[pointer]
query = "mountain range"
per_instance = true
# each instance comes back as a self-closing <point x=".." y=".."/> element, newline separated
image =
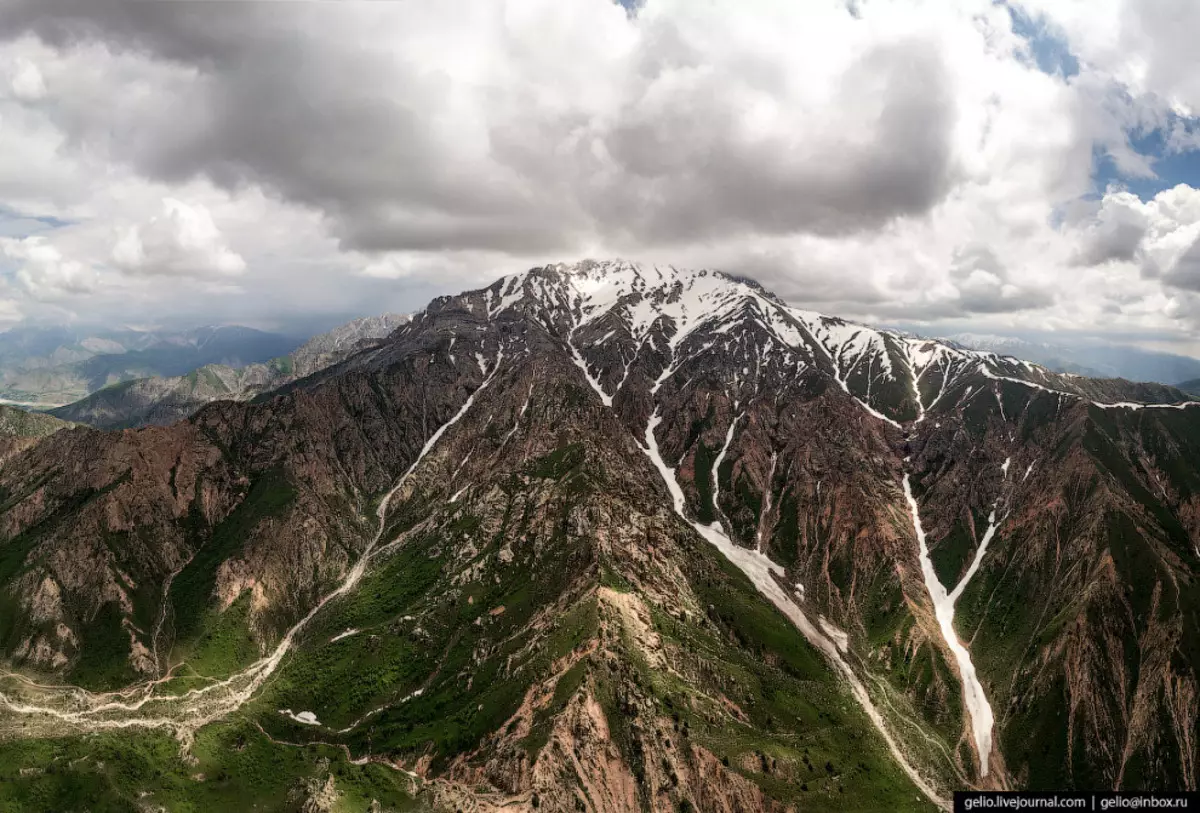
<point x="164" y="400"/>
<point x="610" y="537"/>
<point x="51" y="366"/>
<point x="1095" y="359"/>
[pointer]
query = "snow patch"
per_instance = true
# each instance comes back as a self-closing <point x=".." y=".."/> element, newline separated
<point x="766" y="576"/>
<point x="982" y="718"/>
<point x="716" y="481"/>
<point x="836" y="635"/>
<point x="304" y="717"/>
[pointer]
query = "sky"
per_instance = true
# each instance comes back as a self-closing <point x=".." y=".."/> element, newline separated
<point x="1018" y="167"/>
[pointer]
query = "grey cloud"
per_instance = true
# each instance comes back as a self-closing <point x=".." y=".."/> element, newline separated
<point x="975" y="257"/>
<point x="985" y="287"/>
<point x="183" y="32"/>
<point x="300" y="115"/>
<point x="353" y="133"/>
<point x="1117" y="237"/>
<point x="989" y="299"/>
<point x="696" y="175"/>
<point x="796" y="281"/>
<point x="1185" y="273"/>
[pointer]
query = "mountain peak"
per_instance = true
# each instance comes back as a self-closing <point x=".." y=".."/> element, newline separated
<point x="636" y="522"/>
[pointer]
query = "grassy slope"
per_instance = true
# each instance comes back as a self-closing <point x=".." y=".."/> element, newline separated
<point x="473" y="652"/>
<point x="237" y="768"/>
<point x="20" y="423"/>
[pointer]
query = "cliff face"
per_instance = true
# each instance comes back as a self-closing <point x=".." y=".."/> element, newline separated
<point x="649" y="544"/>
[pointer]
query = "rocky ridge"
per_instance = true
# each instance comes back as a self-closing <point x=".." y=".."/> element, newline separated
<point x="712" y="490"/>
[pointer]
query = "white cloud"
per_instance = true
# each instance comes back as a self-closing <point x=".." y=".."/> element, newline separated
<point x="1148" y="46"/>
<point x="908" y="161"/>
<point x="10" y="312"/>
<point x="44" y="272"/>
<point x="26" y="80"/>
<point x="181" y="241"/>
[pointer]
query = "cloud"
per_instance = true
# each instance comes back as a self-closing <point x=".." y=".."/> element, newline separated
<point x="1158" y="236"/>
<point x="895" y="160"/>
<point x="26" y="80"/>
<point x="1117" y="232"/>
<point x="182" y="241"/>
<point x="664" y="136"/>
<point x="984" y="286"/>
<point x="10" y="312"/>
<point x="44" y="272"/>
<point x="1146" y="45"/>
<point x="1185" y="273"/>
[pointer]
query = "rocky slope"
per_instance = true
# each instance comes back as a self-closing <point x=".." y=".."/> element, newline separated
<point x="161" y="401"/>
<point x="651" y="539"/>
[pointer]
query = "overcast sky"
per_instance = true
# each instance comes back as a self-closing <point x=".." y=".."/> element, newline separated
<point x="953" y="165"/>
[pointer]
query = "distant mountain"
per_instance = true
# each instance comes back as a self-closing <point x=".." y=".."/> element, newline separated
<point x="613" y="537"/>
<point x="1089" y="359"/>
<point x="164" y="400"/>
<point x="50" y="366"/>
<point x="1192" y="386"/>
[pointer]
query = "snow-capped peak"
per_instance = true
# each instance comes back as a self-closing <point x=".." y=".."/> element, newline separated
<point x="617" y="316"/>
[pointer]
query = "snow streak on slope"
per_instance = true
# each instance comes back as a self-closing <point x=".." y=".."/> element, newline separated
<point x="982" y="718"/>
<point x="716" y="469"/>
<point x="1133" y="405"/>
<point x="850" y="347"/>
<point x="582" y="365"/>
<point x="767" y="576"/>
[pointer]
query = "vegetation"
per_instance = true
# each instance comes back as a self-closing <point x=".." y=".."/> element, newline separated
<point x="104" y="653"/>
<point x="236" y="768"/>
<point x="191" y="591"/>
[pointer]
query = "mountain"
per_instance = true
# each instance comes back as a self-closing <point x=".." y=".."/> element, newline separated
<point x="164" y="400"/>
<point x="612" y="537"/>
<point x="50" y="366"/>
<point x="20" y="429"/>
<point x="1089" y="358"/>
<point x="1192" y="387"/>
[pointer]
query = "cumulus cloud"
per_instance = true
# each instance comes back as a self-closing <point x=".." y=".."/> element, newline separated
<point x="26" y="80"/>
<point x="984" y="286"/>
<point x="1185" y="273"/>
<point x="44" y="272"/>
<point x="181" y="241"/>
<point x="1158" y="235"/>
<point x="894" y="160"/>
<point x="668" y="130"/>
<point x="1117" y="231"/>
